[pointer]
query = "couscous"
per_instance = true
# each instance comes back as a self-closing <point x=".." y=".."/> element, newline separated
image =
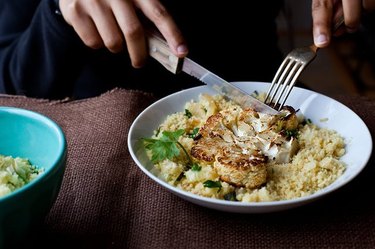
<point x="216" y="149"/>
<point x="15" y="173"/>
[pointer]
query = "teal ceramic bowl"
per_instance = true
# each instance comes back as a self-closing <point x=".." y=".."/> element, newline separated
<point x="30" y="135"/>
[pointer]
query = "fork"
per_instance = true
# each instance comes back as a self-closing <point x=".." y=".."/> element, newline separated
<point x="289" y="71"/>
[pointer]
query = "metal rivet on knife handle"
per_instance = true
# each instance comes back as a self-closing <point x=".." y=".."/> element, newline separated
<point x="160" y="51"/>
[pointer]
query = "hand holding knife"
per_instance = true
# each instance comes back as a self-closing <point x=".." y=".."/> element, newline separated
<point x="159" y="50"/>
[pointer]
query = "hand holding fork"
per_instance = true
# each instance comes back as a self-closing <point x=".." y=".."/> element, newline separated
<point x="289" y="71"/>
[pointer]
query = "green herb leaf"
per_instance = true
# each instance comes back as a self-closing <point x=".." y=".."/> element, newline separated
<point x="195" y="132"/>
<point x="180" y="176"/>
<point x="291" y="133"/>
<point x="212" y="184"/>
<point x="196" y="167"/>
<point x="158" y="131"/>
<point x="188" y="113"/>
<point x="165" y="147"/>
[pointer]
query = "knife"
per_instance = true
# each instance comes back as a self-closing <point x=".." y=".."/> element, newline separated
<point x="159" y="50"/>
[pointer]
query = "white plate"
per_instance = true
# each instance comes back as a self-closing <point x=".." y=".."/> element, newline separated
<point x="322" y="110"/>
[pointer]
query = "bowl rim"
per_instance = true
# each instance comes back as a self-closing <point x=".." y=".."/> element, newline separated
<point x="58" y="162"/>
<point x="297" y="201"/>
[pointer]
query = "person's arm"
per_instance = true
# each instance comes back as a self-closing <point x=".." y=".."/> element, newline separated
<point x="40" y="54"/>
<point x="325" y="11"/>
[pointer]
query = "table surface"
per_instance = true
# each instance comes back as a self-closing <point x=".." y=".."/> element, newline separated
<point x="107" y="202"/>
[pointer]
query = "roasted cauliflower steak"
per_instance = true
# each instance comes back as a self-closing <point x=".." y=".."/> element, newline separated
<point x="239" y="143"/>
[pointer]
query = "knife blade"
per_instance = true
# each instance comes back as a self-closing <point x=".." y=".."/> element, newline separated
<point x="159" y="50"/>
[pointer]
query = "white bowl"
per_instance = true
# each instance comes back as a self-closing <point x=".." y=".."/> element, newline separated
<point x="322" y="110"/>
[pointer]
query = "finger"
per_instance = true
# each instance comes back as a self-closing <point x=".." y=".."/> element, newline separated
<point x="352" y="14"/>
<point x="322" y="21"/>
<point x="368" y="5"/>
<point x="76" y="16"/>
<point x="157" y="13"/>
<point x="88" y="33"/>
<point x="124" y="12"/>
<point x="107" y="26"/>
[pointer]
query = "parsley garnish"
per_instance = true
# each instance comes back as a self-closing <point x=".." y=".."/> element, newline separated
<point x="188" y="113"/>
<point x="308" y="121"/>
<point x="168" y="147"/>
<point x="291" y="133"/>
<point x="196" y="167"/>
<point x="194" y="133"/>
<point x="179" y="178"/>
<point x="255" y="94"/>
<point x="157" y="131"/>
<point x="212" y="184"/>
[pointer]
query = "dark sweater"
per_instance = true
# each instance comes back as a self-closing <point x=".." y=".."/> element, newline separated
<point x="41" y="56"/>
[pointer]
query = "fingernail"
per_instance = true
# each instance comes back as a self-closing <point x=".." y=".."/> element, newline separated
<point x="182" y="49"/>
<point x="321" y="39"/>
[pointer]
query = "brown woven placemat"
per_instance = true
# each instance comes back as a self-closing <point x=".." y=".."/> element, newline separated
<point x="107" y="202"/>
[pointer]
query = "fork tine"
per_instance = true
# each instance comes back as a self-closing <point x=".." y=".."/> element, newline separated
<point x="288" y="83"/>
<point x="288" y="72"/>
<point x="278" y="80"/>
<point x="283" y="81"/>
<point x="290" y="86"/>
<point x="286" y="76"/>
<point x="275" y="79"/>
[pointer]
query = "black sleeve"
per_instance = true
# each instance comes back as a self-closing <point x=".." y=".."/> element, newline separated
<point x="40" y="54"/>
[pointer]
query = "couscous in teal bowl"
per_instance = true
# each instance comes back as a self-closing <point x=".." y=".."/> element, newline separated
<point x="29" y="135"/>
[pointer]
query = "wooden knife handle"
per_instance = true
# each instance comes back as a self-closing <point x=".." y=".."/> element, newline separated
<point x="160" y="51"/>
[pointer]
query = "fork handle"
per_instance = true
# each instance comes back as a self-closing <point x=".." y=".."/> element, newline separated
<point x="160" y="51"/>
